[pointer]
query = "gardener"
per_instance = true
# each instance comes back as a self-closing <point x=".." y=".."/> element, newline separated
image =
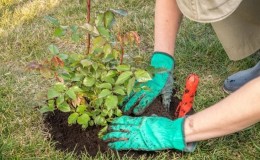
<point x="236" y="24"/>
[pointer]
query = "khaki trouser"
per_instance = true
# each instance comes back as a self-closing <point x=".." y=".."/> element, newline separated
<point x="236" y="22"/>
<point x="239" y="33"/>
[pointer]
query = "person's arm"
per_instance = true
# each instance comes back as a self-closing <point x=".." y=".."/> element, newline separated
<point x="167" y="21"/>
<point x="234" y="113"/>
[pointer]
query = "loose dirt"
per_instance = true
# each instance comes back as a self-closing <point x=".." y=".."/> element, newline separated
<point x="73" y="138"/>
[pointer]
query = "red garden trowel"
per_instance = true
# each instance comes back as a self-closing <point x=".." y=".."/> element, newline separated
<point x="185" y="106"/>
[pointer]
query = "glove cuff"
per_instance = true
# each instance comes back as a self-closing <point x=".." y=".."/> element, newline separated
<point x="179" y="137"/>
<point x="162" y="60"/>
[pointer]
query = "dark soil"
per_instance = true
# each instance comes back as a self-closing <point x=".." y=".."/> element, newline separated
<point x="73" y="138"/>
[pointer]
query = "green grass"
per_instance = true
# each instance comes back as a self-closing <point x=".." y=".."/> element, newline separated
<point x="25" y="35"/>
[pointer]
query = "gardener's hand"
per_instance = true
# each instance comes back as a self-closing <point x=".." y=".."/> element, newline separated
<point x="146" y="133"/>
<point x="160" y="84"/>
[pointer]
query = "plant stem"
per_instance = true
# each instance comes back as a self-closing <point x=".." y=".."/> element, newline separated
<point x="88" y="20"/>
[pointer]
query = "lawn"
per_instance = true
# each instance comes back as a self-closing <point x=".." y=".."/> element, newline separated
<point x="25" y="36"/>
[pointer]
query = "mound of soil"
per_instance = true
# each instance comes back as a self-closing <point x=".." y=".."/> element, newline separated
<point x="73" y="138"/>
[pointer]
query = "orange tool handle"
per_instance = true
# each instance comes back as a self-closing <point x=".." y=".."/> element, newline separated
<point x="186" y="103"/>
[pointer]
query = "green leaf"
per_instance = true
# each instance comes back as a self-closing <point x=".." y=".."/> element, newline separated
<point x="118" y="112"/>
<point x="123" y="67"/>
<point x="107" y="49"/>
<point x="54" y="49"/>
<point x="59" y="87"/>
<point x="63" y="56"/>
<point x="109" y="19"/>
<point x="75" y="37"/>
<point x="130" y="85"/>
<point x="83" y="119"/>
<point x="77" y="77"/>
<point x="72" y="119"/>
<point x="123" y="77"/>
<point x="64" y="107"/>
<point x="60" y="100"/>
<point x="121" y="12"/>
<point x="119" y="91"/>
<point x="98" y="42"/>
<point x="109" y="80"/>
<point x="111" y="102"/>
<point x="89" y="81"/>
<point x="104" y="32"/>
<point x="71" y="94"/>
<point x="58" y="32"/>
<point x="99" y="120"/>
<point x="105" y="85"/>
<point x="54" y="21"/>
<point x="76" y="89"/>
<point x="142" y="76"/>
<point x="86" y="62"/>
<point x="111" y="73"/>
<point x="81" y="109"/>
<point x="98" y="102"/>
<point x="74" y="28"/>
<point x="52" y="93"/>
<point x="99" y="20"/>
<point x="104" y="93"/>
<point x="45" y="109"/>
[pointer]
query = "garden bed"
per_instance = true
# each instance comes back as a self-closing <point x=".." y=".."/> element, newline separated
<point x="74" y="139"/>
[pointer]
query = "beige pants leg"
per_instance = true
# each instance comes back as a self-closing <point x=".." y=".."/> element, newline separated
<point x="240" y="32"/>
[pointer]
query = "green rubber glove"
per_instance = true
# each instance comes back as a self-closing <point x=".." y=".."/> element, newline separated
<point x="147" y="133"/>
<point x="137" y="102"/>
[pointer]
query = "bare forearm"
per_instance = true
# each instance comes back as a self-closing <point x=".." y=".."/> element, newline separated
<point x="236" y="112"/>
<point x="167" y="22"/>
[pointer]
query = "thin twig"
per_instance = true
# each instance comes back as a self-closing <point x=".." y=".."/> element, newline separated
<point x="88" y="20"/>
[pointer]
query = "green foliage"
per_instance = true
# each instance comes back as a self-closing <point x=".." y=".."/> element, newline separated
<point x="92" y="86"/>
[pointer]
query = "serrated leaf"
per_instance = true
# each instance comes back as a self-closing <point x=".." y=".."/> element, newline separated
<point x="72" y="119"/>
<point x="54" y="49"/>
<point x="64" y="107"/>
<point x="142" y="76"/>
<point x="52" y="93"/>
<point x="107" y="49"/>
<point x="123" y="67"/>
<point x="130" y="85"/>
<point x="104" y="93"/>
<point x="119" y="91"/>
<point x="105" y="85"/>
<point x="89" y="81"/>
<point x="98" y="42"/>
<point x="123" y="77"/>
<point x="99" y="120"/>
<point x="59" y="87"/>
<point x="111" y="102"/>
<point x="81" y="109"/>
<point x="111" y="73"/>
<point x="118" y="112"/>
<point x="76" y="89"/>
<point x="60" y="100"/>
<point x="86" y="62"/>
<point x="120" y="12"/>
<point x="71" y="94"/>
<point x="109" y="80"/>
<point x="109" y="19"/>
<point x="83" y="119"/>
<point x="104" y="32"/>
